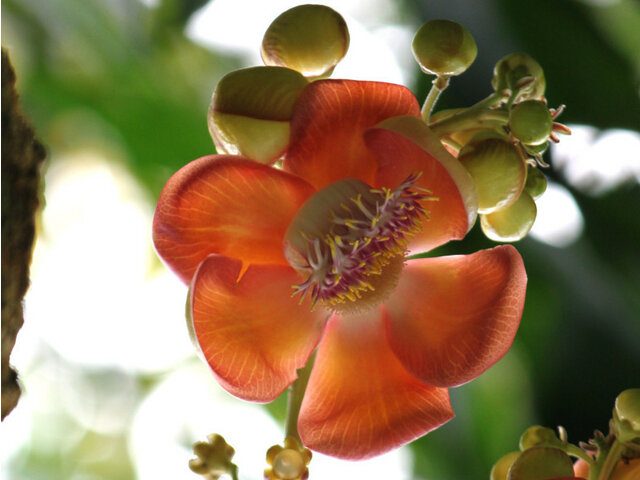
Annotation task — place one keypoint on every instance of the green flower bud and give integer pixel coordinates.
(501, 467)
(250, 111)
(531, 122)
(213, 457)
(512, 223)
(536, 436)
(496, 168)
(311, 39)
(541, 463)
(536, 183)
(535, 150)
(626, 415)
(520, 73)
(444, 48)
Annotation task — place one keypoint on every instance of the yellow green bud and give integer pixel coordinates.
(444, 48)
(250, 111)
(512, 223)
(311, 39)
(541, 463)
(535, 150)
(289, 462)
(213, 457)
(536, 436)
(536, 183)
(500, 469)
(520, 73)
(496, 168)
(530, 122)
(626, 415)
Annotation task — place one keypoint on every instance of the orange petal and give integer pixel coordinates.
(327, 126)
(253, 334)
(360, 401)
(451, 318)
(228, 205)
(453, 213)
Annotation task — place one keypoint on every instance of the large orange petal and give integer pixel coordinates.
(400, 155)
(228, 205)
(360, 401)
(253, 334)
(451, 318)
(327, 126)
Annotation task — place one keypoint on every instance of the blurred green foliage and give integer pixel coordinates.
(99, 72)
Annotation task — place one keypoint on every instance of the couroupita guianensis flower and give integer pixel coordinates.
(363, 186)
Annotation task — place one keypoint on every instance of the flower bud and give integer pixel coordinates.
(444, 48)
(536, 435)
(250, 111)
(512, 223)
(536, 183)
(520, 73)
(541, 463)
(311, 39)
(288, 463)
(626, 415)
(501, 467)
(496, 168)
(213, 457)
(531, 122)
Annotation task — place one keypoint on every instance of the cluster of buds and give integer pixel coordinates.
(547, 455)
(501, 139)
(251, 108)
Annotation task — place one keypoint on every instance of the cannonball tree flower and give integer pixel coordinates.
(316, 256)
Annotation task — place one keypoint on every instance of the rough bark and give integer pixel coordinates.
(22, 156)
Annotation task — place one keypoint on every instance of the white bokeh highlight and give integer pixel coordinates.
(559, 221)
(95, 296)
(598, 161)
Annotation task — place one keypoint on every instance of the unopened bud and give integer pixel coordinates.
(213, 458)
(444, 48)
(511, 223)
(531, 122)
(311, 39)
(626, 415)
(519, 73)
(289, 462)
(541, 463)
(251, 109)
(501, 467)
(536, 436)
(536, 183)
(496, 168)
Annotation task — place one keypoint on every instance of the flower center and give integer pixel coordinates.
(350, 241)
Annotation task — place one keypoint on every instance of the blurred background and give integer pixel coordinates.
(118, 91)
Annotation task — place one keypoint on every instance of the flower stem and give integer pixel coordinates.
(470, 119)
(579, 453)
(294, 399)
(438, 86)
(613, 456)
(478, 115)
(233, 471)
